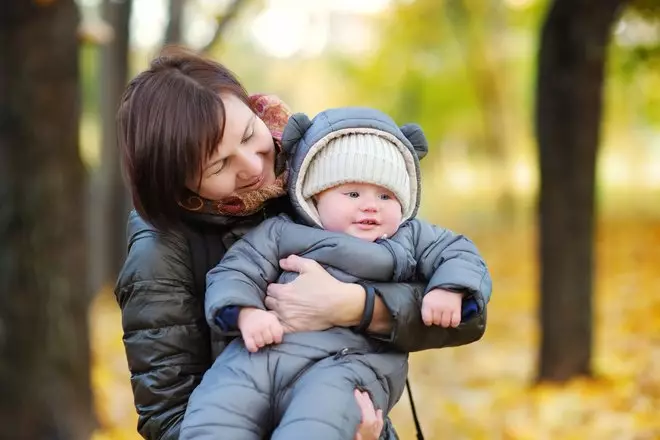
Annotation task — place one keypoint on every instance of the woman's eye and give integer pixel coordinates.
(218, 168)
(247, 138)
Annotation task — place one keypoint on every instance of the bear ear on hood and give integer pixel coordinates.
(415, 135)
(295, 129)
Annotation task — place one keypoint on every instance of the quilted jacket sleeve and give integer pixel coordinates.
(409, 334)
(462, 266)
(450, 260)
(165, 335)
(243, 274)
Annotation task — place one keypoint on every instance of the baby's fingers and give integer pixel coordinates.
(250, 344)
(259, 339)
(266, 337)
(427, 314)
(277, 331)
(445, 319)
(455, 318)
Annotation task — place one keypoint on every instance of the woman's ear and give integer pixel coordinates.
(295, 129)
(415, 135)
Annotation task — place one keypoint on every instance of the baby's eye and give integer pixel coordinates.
(385, 197)
(353, 194)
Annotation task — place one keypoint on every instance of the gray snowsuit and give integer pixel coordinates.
(303, 387)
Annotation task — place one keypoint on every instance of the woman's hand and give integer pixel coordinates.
(315, 300)
(372, 420)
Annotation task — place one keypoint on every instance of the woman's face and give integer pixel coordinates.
(245, 158)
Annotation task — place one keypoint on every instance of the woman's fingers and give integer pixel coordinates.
(365, 404)
(359, 398)
(372, 420)
(271, 303)
(294, 263)
(274, 289)
(379, 422)
(366, 407)
(302, 305)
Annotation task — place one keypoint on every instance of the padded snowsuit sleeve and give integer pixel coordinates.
(241, 278)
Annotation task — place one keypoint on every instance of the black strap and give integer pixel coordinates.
(206, 250)
(418, 427)
(199, 259)
(369, 304)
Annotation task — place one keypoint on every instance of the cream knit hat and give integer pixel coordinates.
(359, 157)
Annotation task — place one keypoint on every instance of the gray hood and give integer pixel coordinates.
(303, 138)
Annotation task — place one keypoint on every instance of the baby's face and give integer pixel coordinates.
(362, 210)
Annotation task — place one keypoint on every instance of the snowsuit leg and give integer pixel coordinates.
(233, 400)
(320, 404)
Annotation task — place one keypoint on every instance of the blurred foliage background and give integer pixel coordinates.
(466, 70)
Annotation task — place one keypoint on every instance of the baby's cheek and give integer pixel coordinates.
(333, 224)
(390, 228)
(392, 221)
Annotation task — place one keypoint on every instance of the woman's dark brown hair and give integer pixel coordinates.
(171, 119)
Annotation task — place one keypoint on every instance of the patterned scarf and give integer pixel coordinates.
(275, 115)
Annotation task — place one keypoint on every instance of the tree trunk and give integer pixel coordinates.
(174, 25)
(569, 105)
(109, 201)
(44, 350)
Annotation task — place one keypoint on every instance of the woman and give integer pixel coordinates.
(203, 156)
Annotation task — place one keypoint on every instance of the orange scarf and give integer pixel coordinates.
(275, 115)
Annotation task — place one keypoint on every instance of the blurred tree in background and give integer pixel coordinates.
(175, 22)
(44, 351)
(569, 105)
(108, 201)
(569, 125)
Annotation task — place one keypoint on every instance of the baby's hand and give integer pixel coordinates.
(442, 307)
(259, 328)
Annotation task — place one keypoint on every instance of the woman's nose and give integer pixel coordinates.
(251, 165)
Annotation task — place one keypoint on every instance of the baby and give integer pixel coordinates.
(355, 185)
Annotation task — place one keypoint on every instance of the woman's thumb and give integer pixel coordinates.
(294, 263)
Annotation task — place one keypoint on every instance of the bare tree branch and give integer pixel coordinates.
(223, 21)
